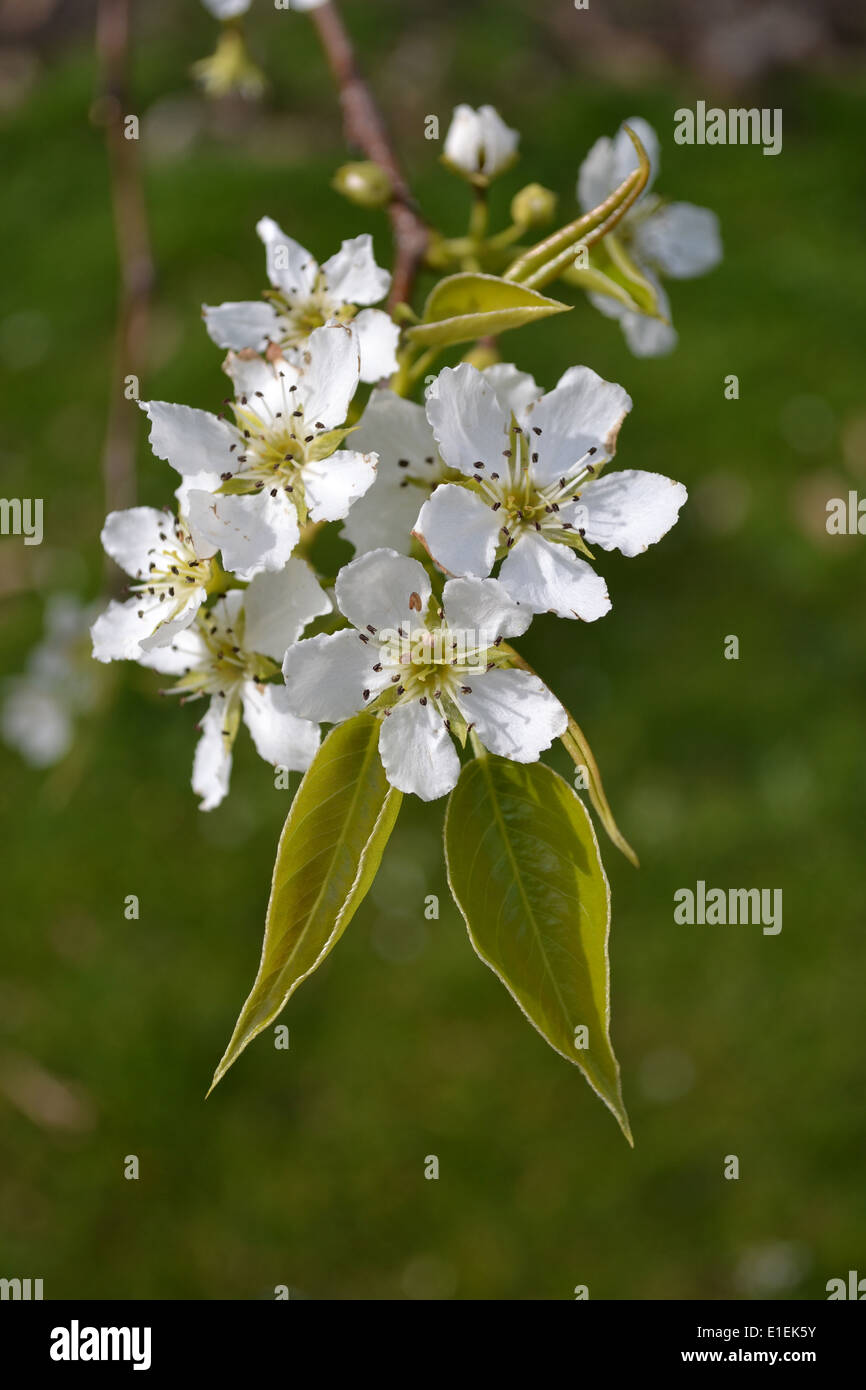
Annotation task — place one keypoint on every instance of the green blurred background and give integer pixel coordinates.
(306, 1166)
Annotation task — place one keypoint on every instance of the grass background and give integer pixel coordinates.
(306, 1167)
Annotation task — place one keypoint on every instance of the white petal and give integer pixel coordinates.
(326, 676)
(378, 336)
(252, 373)
(648, 337)
(255, 532)
(132, 537)
(352, 275)
(212, 764)
(459, 530)
(226, 9)
(514, 714)
(166, 630)
(250, 324)
(332, 484)
(582, 412)
(630, 510)
(467, 419)
(120, 633)
(376, 589)
(550, 578)
(515, 390)
(611, 308)
(330, 366)
(681, 240)
(290, 267)
(36, 722)
(398, 431)
(278, 607)
(485, 607)
(610, 162)
(196, 482)
(193, 441)
(498, 141)
(383, 517)
(463, 141)
(479, 142)
(280, 737)
(595, 179)
(417, 752)
(187, 650)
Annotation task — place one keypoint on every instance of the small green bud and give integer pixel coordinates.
(364, 183)
(533, 206)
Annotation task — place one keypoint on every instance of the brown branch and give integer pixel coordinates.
(365, 127)
(133, 250)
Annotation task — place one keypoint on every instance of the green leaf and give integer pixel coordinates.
(576, 744)
(548, 260)
(471, 305)
(525, 872)
(595, 281)
(329, 852)
(627, 272)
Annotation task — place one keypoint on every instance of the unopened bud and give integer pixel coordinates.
(364, 183)
(533, 205)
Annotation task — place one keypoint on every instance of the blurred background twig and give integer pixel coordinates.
(135, 262)
(366, 128)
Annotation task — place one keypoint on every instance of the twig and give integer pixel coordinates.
(133, 251)
(365, 127)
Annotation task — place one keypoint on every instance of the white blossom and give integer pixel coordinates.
(529, 493)
(410, 465)
(305, 296)
(171, 574)
(41, 705)
(677, 240)
(249, 486)
(431, 671)
(230, 656)
(479, 144)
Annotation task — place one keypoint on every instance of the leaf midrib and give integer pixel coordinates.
(370, 751)
(482, 762)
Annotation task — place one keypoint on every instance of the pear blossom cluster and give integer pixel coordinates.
(469, 514)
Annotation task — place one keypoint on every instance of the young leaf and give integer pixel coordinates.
(330, 849)
(471, 305)
(543, 263)
(576, 745)
(524, 870)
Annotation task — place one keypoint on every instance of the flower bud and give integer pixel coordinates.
(533, 205)
(364, 183)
